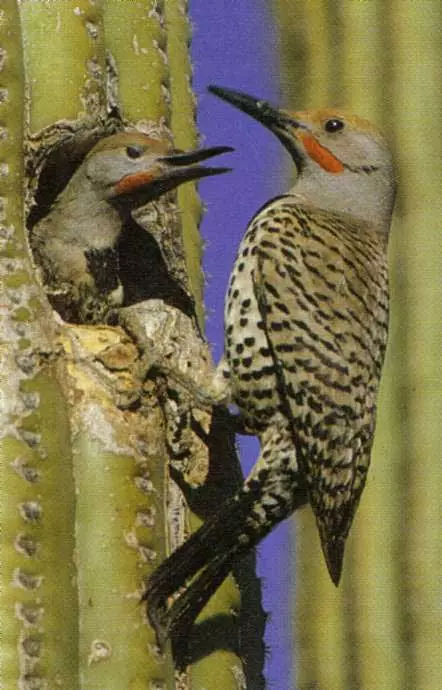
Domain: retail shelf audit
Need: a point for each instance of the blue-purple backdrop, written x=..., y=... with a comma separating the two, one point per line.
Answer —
x=234, y=44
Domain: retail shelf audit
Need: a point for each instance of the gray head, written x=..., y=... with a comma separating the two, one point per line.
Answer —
x=343, y=163
x=129, y=168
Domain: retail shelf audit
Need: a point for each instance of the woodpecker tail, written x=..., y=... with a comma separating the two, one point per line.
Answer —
x=207, y=558
x=211, y=550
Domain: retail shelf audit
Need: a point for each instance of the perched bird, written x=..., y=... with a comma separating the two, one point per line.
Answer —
x=75, y=245
x=306, y=320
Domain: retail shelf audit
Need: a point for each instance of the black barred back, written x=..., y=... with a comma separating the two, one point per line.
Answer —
x=306, y=330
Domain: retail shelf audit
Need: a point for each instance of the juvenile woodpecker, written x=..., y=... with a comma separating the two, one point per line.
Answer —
x=306, y=319
x=75, y=244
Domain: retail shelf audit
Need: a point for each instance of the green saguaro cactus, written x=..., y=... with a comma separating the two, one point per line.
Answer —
x=380, y=59
x=86, y=502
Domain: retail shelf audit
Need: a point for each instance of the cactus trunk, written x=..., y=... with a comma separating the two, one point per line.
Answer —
x=87, y=507
x=380, y=60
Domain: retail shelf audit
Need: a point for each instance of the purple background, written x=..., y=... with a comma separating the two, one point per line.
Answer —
x=234, y=45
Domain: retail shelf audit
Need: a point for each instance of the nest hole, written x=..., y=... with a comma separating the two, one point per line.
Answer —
x=143, y=271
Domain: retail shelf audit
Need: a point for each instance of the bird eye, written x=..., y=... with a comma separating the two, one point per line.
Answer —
x=333, y=125
x=134, y=151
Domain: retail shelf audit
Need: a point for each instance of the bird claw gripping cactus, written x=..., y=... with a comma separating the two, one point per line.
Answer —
x=76, y=244
x=306, y=320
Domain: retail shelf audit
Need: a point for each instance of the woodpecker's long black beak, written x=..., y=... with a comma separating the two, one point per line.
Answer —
x=184, y=165
x=169, y=172
x=190, y=157
x=277, y=121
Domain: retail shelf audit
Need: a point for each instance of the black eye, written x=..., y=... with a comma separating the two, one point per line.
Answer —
x=333, y=125
x=134, y=151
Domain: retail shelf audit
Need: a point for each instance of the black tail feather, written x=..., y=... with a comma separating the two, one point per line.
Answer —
x=212, y=548
x=234, y=530
x=186, y=608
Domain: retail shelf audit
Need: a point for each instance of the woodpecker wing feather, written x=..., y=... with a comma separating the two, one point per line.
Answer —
x=320, y=282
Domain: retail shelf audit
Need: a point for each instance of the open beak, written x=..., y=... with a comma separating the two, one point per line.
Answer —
x=277, y=121
x=169, y=172
x=183, y=166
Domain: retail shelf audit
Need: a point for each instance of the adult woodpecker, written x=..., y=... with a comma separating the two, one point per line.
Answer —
x=306, y=319
x=75, y=244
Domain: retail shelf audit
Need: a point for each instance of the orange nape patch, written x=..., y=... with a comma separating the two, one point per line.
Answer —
x=321, y=155
x=132, y=183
